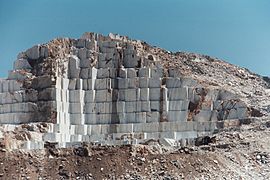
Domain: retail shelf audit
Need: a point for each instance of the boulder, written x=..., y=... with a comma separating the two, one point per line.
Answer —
x=22, y=64
x=33, y=53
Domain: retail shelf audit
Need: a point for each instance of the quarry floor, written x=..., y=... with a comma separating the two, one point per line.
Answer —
x=242, y=153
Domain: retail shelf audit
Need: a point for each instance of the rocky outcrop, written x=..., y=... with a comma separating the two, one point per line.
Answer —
x=115, y=90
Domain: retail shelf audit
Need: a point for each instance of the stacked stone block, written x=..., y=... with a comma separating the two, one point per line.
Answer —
x=109, y=94
x=16, y=104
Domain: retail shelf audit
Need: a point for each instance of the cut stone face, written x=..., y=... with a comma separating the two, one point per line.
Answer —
x=178, y=105
x=177, y=115
x=144, y=72
x=156, y=73
x=177, y=94
x=154, y=94
x=173, y=82
x=130, y=61
x=84, y=73
x=74, y=70
x=154, y=83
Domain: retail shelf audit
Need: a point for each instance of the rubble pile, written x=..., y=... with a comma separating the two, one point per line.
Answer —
x=112, y=90
x=236, y=153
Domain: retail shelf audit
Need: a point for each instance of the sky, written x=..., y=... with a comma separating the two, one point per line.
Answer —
x=237, y=31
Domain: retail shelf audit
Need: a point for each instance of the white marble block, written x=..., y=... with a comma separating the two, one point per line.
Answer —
x=64, y=83
x=90, y=118
x=155, y=106
x=79, y=84
x=130, y=117
x=89, y=96
x=122, y=83
x=75, y=108
x=33, y=53
x=21, y=64
x=130, y=61
x=122, y=73
x=154, y=94
x=133, y=83
x=103, y=73
x=145, y=106
x=92, y=73
x=120, y=107
x=77, y=119
x=89, y=108
x=141, y=117
x=178, y=105
x=76, y=96
x=84, y=73
x=203, y=116
x=152, y=117
x=154, y=82
x=73, y=67
x=131, y=73
x=103, y=95
x=82, y=53
x=72, y=84
x=131, y=106
x=177, y=94
x=103, y=118
x=104, y=108
x=101, y=84
x=143, y=82
x=144, y=94
x=157, y=73
x=144, y=72
x=129, y=95
x=177, y=116
x=173, y=82
x=81, y=129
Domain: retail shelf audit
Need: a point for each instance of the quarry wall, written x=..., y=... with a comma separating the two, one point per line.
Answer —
x=108, y=89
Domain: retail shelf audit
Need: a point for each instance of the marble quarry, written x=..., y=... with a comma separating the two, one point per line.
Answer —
x=109, y=90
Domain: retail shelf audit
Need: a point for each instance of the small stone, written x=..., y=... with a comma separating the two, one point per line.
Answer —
x=161, y=173
x=186, y=150
x=241, y=136
x=127, y=176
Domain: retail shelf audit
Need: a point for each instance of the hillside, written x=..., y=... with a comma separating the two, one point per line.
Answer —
x=109, y=107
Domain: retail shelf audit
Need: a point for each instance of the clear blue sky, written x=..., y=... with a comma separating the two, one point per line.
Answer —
x=237, y=31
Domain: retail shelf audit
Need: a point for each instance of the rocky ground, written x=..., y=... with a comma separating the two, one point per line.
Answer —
x=241, y=153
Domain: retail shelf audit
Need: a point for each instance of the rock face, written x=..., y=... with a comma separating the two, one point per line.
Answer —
x=114, y=90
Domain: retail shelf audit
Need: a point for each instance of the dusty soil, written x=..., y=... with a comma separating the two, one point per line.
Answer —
x=242, y=153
